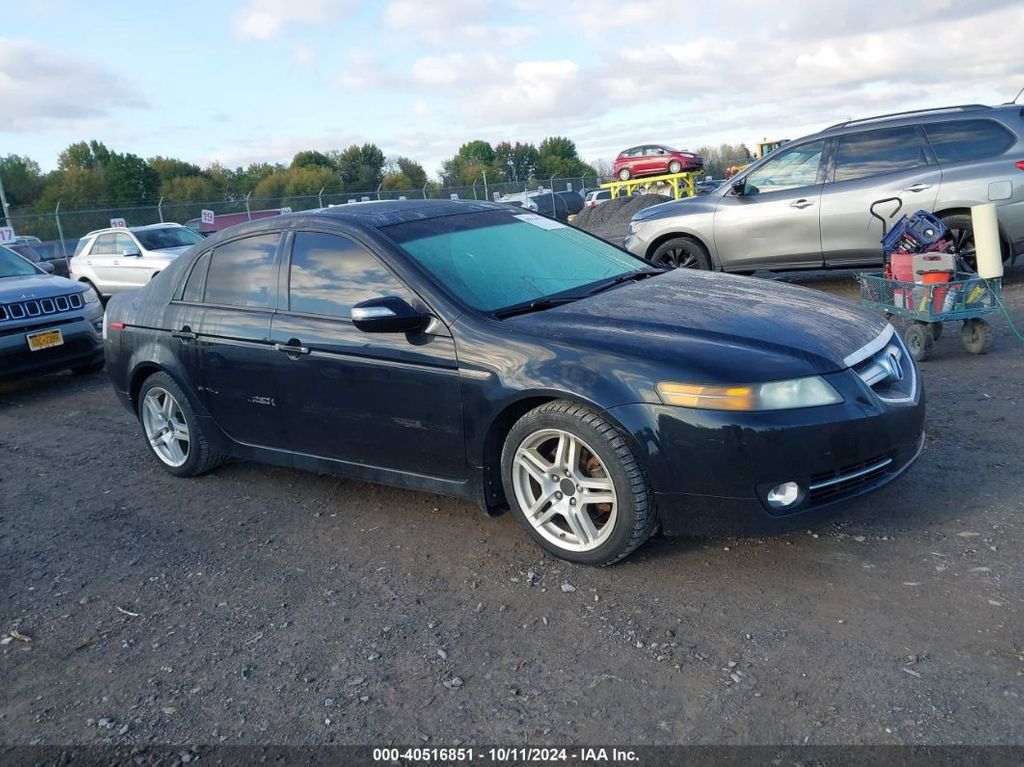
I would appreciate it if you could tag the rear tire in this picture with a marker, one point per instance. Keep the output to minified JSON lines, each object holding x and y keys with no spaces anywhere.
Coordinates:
{"x":674,"y":167}
{"x":558,"y":456}
{"x":173,"y":430}
{"x":961,"y":232}
{"x":681,"y":253}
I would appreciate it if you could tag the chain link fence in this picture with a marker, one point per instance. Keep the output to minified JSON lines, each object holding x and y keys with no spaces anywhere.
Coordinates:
{"x":62,"y":228}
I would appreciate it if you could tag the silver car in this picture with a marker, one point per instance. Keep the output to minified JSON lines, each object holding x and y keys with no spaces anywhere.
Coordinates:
{"x":805,"y":205}
{"x":119,"y":258}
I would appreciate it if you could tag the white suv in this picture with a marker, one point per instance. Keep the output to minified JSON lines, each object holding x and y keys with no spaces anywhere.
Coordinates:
{"x":118,"y":259}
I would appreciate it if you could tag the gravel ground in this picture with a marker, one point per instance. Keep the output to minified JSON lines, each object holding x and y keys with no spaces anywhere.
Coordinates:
{"x":264,"y":605}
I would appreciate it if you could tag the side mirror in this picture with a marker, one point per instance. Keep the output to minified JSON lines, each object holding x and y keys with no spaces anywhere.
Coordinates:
{"x":46,"y":266}
{"x":739,"y":186}
{"x":389,"y":314}
{"x":130,"y":252}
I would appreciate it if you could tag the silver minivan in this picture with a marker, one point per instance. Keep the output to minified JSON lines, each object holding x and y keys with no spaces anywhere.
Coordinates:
{"x":805,"y":205}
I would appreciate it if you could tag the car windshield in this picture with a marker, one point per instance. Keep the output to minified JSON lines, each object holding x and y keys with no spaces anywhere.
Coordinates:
{"x":495,"y":260}
{"x":27,"y":251}
{"x":13,"y":265}
{"x":168,"y":237}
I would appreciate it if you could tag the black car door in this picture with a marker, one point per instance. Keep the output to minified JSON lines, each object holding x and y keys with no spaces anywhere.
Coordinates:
{"x":385,"y":400}
{"x":225,"y":333}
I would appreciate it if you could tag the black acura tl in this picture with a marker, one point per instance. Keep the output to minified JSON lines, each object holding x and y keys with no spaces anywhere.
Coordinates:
{"x":480,"y":351}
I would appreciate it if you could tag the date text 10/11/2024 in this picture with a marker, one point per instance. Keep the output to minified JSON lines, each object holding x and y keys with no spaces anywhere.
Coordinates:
{"x":504,"y":754}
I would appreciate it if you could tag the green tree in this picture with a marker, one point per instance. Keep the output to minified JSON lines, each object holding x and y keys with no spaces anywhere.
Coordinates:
{"x":189,"y":189}
{"x":169,"y":167}
{"x":361,"y":167}
{"x":130,"y":179}
{"x":312,"y":158}
{"x":517,"y":162}
{"x":413,"y":171}
{"x":473,"y":158}
{"x":559,"y":159}
{"x":22,"y":179}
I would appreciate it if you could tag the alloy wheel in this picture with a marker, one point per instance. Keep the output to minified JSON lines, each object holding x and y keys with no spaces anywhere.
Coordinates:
{"x":564,"y":489}
{"x":165,"y":427}
{"x":678,"y":258}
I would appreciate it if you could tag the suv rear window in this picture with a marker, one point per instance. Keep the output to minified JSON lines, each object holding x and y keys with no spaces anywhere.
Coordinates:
{"x":960,"y":140}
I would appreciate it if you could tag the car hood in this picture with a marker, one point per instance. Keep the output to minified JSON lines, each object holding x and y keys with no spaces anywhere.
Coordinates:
{"x":699,"y":204}
{"x":716,"y":327}
{"x":170,"y":252}
{"x":36,"y":286}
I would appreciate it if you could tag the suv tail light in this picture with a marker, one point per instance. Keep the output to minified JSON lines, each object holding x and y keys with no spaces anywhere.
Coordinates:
{"x":1020,"y":164}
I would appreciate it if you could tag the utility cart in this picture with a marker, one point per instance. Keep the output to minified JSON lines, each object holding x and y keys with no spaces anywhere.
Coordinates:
{"x":927,"y":286}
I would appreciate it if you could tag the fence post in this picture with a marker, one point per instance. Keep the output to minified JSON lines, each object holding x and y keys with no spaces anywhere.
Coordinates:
{"x":551,"y":184}
{"x":425,"y":191}
{"x":160,"y":208}
{"x":378,"y":190}
{"x":474,"y":190}
{"x":60,"y":230}
{"x":320,"y":197}
{"x":485,"y":185}
{"x":248,"y":213}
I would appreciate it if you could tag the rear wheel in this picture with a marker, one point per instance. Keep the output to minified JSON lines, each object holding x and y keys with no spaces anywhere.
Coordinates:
{"x":976,"y":336}
{"x":674,"y":166}
{"x":575,"y":486}
{"x":172,"y":428}
{"x":961,"y":233}
{"x":919,"y":341}
{"x":681,"y":253}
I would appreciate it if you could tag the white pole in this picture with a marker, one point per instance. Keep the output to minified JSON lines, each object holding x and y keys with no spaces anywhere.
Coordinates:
{"x":248,"y":213}
{"x":3,"y":200}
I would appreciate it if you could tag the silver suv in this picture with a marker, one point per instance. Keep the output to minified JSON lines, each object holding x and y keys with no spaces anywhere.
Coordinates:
{"x":805,"y":205}
{"x":118,"y":259}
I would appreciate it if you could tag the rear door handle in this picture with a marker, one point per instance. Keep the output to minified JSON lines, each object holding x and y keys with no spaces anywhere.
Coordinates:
{"x":917,"y":187}
{"x":291,"y":348}
{"x":801,"y":203}
{"x":184,"y":334}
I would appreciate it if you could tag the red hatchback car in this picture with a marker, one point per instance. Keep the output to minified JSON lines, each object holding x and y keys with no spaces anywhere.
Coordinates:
{"x":654,"y":160}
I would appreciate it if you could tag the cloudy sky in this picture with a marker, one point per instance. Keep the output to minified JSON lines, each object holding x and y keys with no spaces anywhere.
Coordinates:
{"x":256,"y":80}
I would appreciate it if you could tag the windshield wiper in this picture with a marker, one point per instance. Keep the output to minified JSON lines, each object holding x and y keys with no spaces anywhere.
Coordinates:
{"x":535,"y":306}
{"x":623,"y":278}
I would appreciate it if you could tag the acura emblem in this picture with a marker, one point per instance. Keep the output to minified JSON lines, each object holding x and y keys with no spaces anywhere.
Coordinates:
{"x":892,"y":365}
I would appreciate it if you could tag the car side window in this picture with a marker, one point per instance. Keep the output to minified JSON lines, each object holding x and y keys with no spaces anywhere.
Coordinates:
{"x":193,"y":292}
{"x":104,"y":246}
{"x":962,"y":140}
{"x":872,"y":153}
{"x":794,"y":168}
{"x":330,"y":274}
{"x":123,"y":242}
{"x":242,"y":273}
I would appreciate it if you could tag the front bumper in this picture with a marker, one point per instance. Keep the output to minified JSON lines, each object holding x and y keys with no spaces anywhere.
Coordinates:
{"x":711,"y":471}
{"x":81,"y":330}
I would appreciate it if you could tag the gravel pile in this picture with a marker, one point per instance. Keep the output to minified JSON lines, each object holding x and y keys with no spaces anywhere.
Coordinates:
{"x":615,"y":214}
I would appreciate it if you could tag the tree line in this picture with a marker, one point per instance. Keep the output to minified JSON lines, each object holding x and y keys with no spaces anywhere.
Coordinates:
{"x":89,"y":174}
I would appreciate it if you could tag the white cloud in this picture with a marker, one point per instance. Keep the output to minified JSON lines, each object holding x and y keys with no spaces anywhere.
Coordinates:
{"x":303,"y":54}
{"x":266,"y":19}
{"x":43,"y":88}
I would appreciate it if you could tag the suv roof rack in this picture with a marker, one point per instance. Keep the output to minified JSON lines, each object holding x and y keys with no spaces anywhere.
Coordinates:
{"x":936,"y":110}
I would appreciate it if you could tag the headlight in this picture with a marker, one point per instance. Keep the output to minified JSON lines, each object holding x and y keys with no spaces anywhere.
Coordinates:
{"x":89,"y":295}
{"x":774,"y":395}
{"x":634,"y":227}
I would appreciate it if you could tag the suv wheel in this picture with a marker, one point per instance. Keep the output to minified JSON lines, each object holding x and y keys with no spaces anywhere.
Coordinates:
{"x":681,"y":253}
{"x":961,"y":232}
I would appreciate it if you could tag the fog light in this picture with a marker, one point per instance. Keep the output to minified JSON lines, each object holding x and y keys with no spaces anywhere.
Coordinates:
{"x":786,"y":494}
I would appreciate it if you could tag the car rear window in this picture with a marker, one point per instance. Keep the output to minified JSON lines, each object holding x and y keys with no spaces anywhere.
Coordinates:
{"x":242,"y":273}
{"x":873,"y":153}
{"x":330,"y":274}
{"x":962,"y":140}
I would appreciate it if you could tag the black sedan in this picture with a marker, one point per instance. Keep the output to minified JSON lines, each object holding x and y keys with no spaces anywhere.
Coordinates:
{"x":486,"y":352}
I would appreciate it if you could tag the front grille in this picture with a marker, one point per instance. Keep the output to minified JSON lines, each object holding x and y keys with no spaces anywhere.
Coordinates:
{"x":21,"y":310}
{"x":848,"y":478}
{"x":889,"y":372}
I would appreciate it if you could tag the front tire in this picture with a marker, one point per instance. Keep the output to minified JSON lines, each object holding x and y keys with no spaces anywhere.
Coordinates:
{"x":976,"y":336}
{"x":625,"y":174}
{"x":575,"y":485}
{"x":173,"y":430}
{"x":920,"y":341}
{"x":681,"y":253}
{"x":674,"y":167}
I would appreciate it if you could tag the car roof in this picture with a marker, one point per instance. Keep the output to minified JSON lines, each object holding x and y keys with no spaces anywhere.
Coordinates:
{"x":918,"y":116}
{"x":380,"y":213}
{"x":147,"y":227}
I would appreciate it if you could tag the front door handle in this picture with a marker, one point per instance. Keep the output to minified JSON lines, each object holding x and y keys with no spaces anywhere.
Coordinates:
{"x":801,"y":203}
{"x":917,"y":187}
{"x":293,"y":347}
{"x":184,"y":334}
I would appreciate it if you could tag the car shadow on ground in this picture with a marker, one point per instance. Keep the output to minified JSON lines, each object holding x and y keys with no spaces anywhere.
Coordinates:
{"x":41,"y":387}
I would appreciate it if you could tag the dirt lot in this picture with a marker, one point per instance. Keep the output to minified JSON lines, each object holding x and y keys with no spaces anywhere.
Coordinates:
{"x":263,"y":605}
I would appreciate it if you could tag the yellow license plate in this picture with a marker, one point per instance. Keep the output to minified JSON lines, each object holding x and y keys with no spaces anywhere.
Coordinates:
{"x":45,"y":340}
